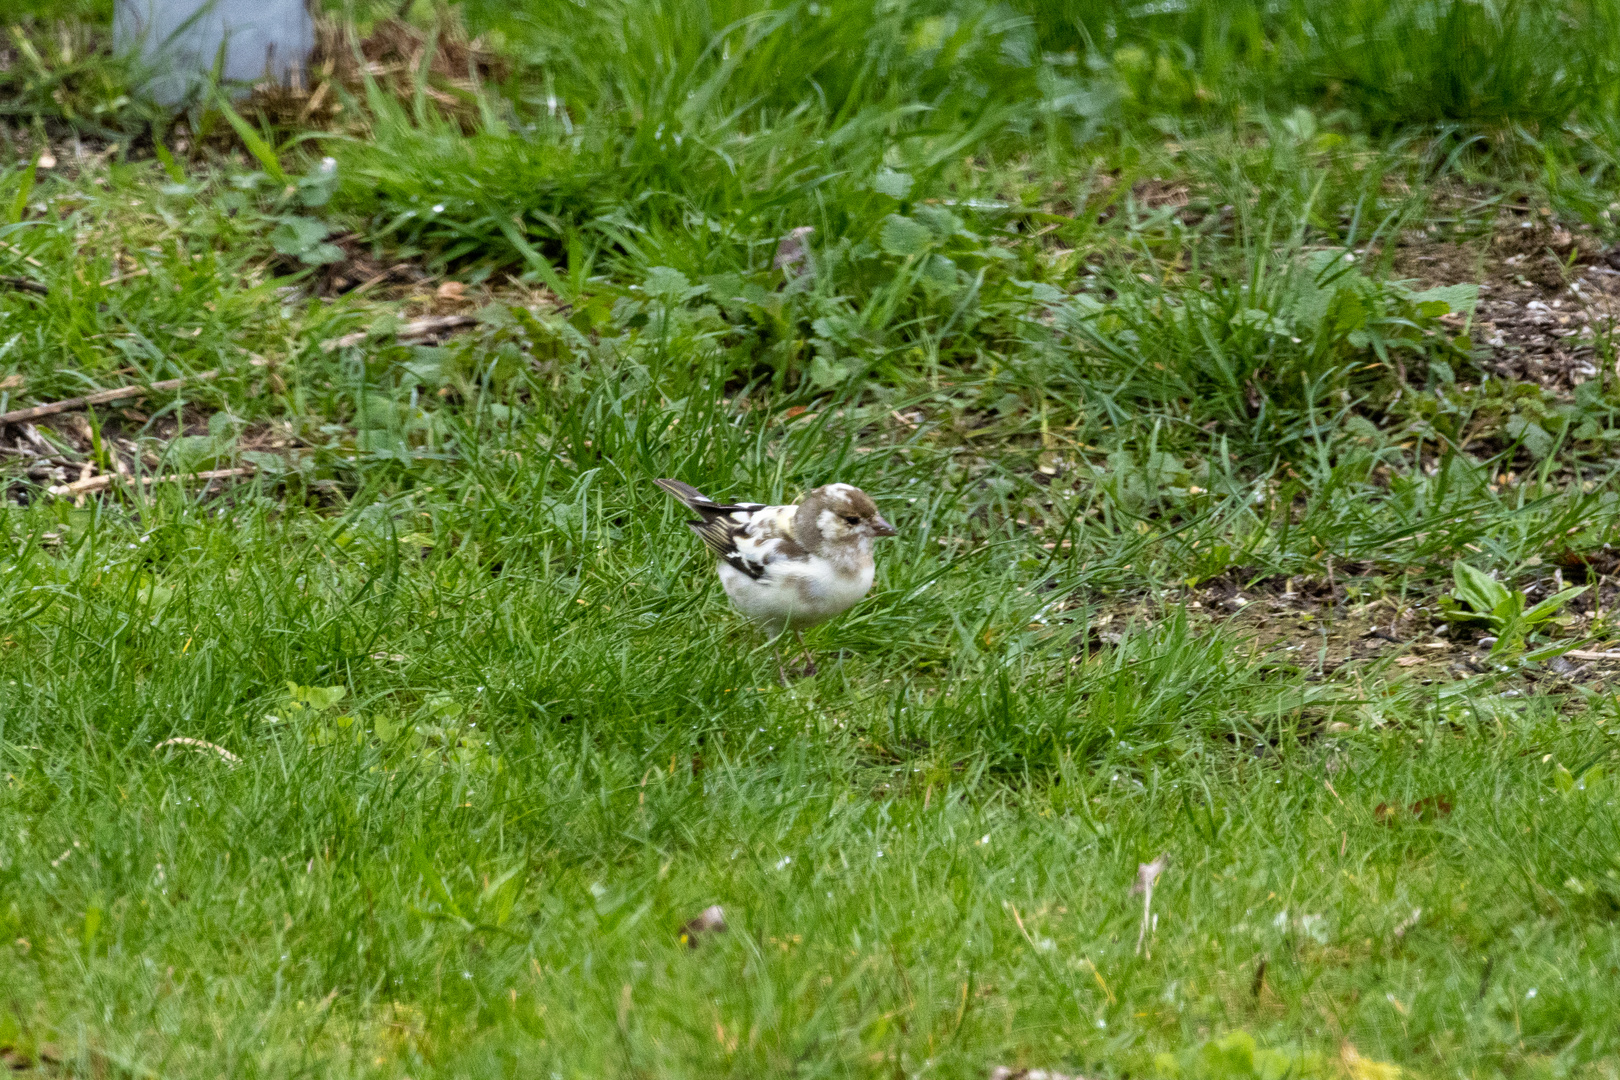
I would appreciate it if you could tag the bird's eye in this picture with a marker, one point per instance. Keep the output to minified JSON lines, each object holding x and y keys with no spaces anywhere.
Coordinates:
{"x":852,"y":520}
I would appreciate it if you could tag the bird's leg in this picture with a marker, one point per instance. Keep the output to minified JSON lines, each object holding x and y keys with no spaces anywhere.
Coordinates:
{"x":809,"y":661}
{"x":781,"y":668}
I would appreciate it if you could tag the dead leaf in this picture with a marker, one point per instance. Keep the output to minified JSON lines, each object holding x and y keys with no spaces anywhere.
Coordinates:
{"x":1147,"y":874}
{"x":12,"y":382}
{"x":452,"y":290}
{"x":1002,"y":1072}
{"x":1407,"y":923}
{"x":711,"y":920}
{"x":1425,"y":809}
{"x":1155,"y":193}
{"x":199,"y":746}
{"x":792,"y":254}
{"x":1409,"y":661}
{"x":1435,"y":806}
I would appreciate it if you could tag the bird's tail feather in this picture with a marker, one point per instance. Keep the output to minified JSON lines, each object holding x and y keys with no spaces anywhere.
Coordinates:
{"x":688,"y":494}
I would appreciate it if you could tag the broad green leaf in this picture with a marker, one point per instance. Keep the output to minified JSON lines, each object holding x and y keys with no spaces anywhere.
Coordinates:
{"x":1349,"y":312}
{"x":671,"y":286}
{"x":1300,"y":123}
{"x":940,"y":222}
{"x":319,"y":698}
{"x":826,"y":373}
{"x":1477,"y":588}
{"x":1534,"y":437}
{"x":297,"y":235}
{"x":1548,"y":607}
{"x":896,"y":185}
{"x":1456,"y":298}
{"x":1041,"y":292}
{"x":904,"y":237}
{"x":322,"y":254}
{"x":930,"y":33}
{"x":1548,"y":652}
{"x":939,"y":274}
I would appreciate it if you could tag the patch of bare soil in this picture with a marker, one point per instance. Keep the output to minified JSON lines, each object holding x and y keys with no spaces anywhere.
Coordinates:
{"x":361,"y":269}
{"x":1154,"y":193}
{"x":1311,"y":624}
{"x":62,"y":449}
{"x":1546,"y":294}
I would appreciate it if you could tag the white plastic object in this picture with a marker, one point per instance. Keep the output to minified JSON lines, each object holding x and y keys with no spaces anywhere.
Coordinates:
{"x":179,"y":41}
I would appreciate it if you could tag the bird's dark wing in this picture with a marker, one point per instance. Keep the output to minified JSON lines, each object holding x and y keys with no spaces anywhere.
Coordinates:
{"x":722,"y":525}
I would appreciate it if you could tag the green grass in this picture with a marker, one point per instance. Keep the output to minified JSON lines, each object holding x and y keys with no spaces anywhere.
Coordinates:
{"x":1113,"y":311}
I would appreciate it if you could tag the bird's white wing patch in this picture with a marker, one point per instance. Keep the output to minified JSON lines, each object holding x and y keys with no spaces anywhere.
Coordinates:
{"x":752,"y":555}
{"x":771,"y":522}
{"x":750,"y":537}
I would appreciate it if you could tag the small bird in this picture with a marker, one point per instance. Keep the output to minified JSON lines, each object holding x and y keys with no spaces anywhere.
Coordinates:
{"x":790,"y":567}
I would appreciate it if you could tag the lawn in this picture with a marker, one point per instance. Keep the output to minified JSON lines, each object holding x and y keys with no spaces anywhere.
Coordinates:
{"x":1236,"y":701}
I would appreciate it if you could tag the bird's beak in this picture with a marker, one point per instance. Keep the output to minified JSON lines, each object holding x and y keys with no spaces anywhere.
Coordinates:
{"x":882,"y":528}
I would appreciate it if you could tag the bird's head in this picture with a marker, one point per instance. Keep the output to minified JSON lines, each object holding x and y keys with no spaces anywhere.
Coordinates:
{"x":838,"y":514}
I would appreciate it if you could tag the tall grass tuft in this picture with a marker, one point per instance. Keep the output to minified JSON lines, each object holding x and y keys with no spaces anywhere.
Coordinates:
{"x":1391,"y":62}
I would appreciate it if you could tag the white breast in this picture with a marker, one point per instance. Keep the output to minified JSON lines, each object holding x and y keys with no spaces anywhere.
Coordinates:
{"x":794,"y":594}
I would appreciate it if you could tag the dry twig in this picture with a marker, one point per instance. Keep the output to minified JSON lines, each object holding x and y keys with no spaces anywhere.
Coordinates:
{"x":100,"y":397}
{"x":1589,"y":654}
{"x":22,"y":284}
{"x":432,"y":326}
{"x":106,"y":480}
